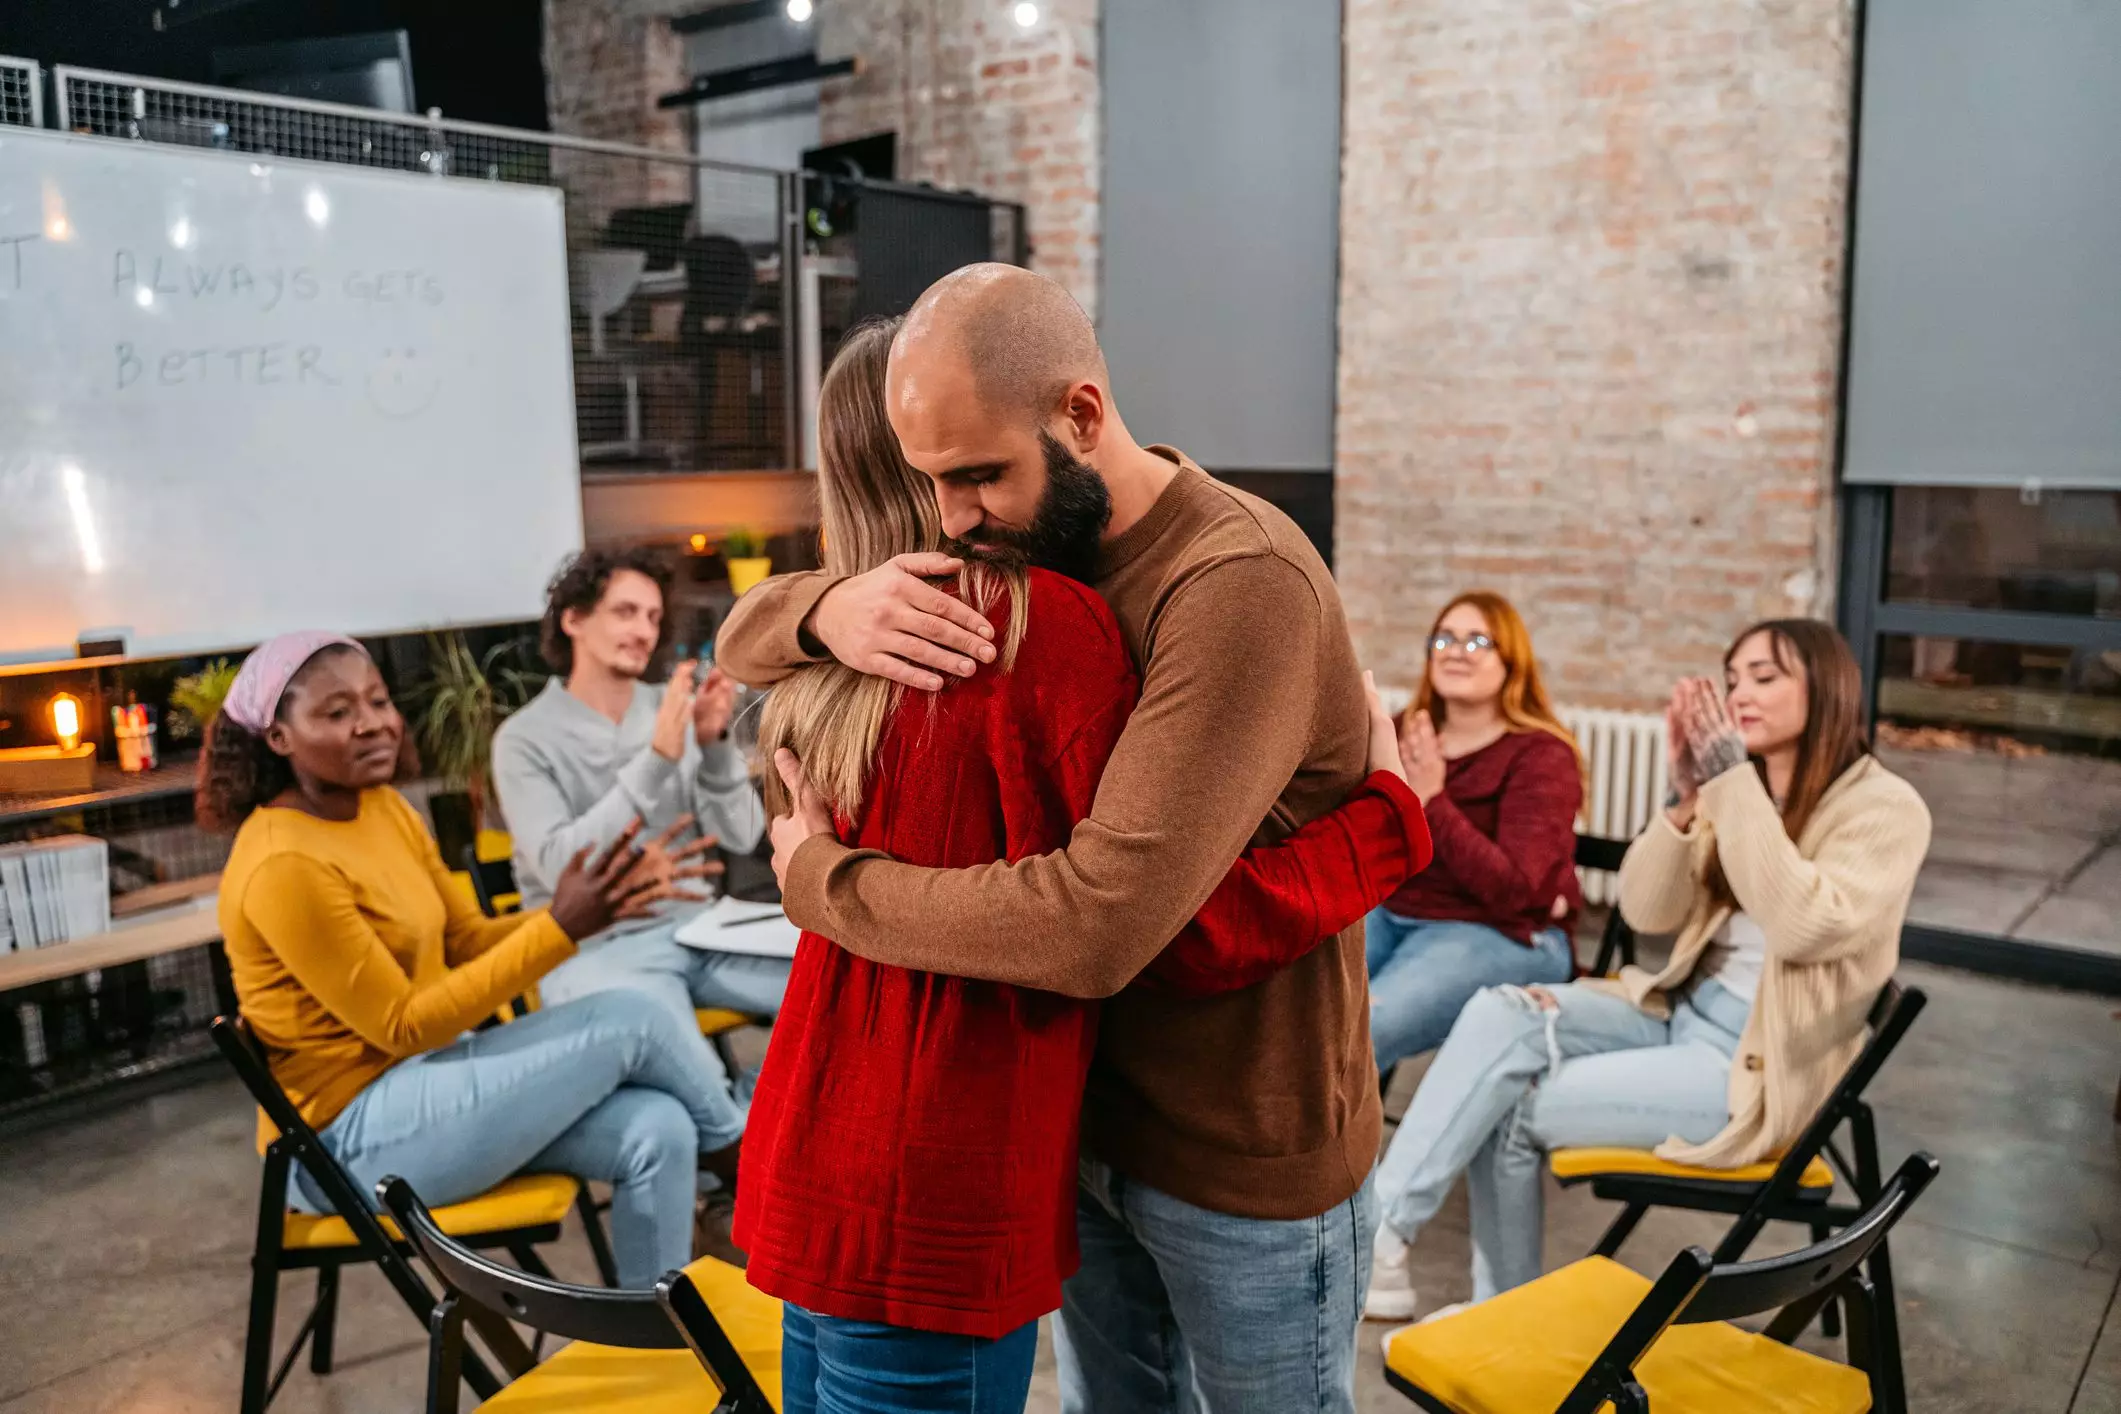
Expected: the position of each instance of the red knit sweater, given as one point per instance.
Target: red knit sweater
(911, 1151)
(1505, 833)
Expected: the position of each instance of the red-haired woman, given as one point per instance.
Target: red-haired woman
(1501, 780)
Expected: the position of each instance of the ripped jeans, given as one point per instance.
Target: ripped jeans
(1513, 1081)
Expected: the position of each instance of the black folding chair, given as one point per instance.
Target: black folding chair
(1797, 1188)
(1616, 945)
(626, 1342)
(515, 1216)
(1542, 1345)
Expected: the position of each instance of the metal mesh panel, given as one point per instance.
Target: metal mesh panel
(21, 93)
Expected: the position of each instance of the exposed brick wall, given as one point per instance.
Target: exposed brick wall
(1590, 308)
(606, 63)
(982, 105)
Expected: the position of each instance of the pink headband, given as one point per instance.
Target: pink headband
(254, 697)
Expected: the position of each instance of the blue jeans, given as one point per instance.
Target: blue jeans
(1422, 974)
(1514, 1081)
(609, 1087)
(653, 962)
(831, 1366)
(1179, 1308)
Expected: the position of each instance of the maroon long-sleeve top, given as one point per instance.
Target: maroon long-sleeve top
(1505, 835)
(911, 1151)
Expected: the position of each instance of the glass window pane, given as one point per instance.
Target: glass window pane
(2017, 750)
(1981, 547)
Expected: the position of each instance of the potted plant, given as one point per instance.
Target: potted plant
(744, 552)
(195, 699)
(456, 709)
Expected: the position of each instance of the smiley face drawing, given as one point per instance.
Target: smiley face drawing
(401, 385)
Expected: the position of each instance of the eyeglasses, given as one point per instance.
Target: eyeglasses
(1472, 646)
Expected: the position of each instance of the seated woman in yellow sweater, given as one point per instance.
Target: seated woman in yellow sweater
(1783, 862)
(361, 970)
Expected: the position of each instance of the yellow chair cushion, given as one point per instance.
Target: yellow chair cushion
(1525, 1349)
(527, 1200)
(749, 1317)
(715, 1020)
(1575, 1165)
(609, 1380)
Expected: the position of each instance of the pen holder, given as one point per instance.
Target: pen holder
(133, 729)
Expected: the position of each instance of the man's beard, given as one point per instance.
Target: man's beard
(1066, 529)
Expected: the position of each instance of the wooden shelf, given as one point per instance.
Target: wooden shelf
(165, 930)
(112, 787)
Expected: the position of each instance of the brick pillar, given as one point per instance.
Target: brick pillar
(982, 105)
(1590, 315)
(606, 63)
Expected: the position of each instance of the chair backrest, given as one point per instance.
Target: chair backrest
(674, 1316)
(632, 1319)
(703, 1333)
(1598, 852)
(1694, 1289)
(491, 879)
(239, 1046)
(1894, 1010)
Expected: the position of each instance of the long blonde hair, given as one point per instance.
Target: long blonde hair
(874, 507)
(1525, 706)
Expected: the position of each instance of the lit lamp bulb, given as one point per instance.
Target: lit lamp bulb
(66, 720)
(699, 544)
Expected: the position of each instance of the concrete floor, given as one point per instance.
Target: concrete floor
(124, 1237)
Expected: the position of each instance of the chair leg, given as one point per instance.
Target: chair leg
(327, 1316)
(527, 1258)
(1609, 1245)
(1885, 1324)
(1829, 1314)
(599, 1241)
(257, 1336)
(264, 1285)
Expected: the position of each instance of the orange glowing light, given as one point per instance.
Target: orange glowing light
(66, 720)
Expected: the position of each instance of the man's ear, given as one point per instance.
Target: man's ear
(1085, 409)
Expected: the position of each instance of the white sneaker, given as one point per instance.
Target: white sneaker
(1391, 1295)
(1436, 1315)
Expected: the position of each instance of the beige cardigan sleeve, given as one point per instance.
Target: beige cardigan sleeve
(1833, 904)
(1661, 875)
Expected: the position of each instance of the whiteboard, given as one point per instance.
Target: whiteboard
(240, 396)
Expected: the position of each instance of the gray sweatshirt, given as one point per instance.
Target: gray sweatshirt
(568, 777)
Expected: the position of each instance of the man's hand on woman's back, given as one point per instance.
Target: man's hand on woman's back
(893, 623)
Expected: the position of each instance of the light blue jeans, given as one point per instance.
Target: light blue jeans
(610, 1087)
(831, 1366)
(1177, 1308)
(654, 963)
(1513, 1081)
(1422, 974)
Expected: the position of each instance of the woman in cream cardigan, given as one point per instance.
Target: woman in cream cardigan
(1783, 863)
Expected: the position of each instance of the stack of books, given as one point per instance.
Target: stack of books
(52, 890)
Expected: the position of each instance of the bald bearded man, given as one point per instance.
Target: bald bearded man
(1225, 1214)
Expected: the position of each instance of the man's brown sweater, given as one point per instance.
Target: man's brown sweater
(1260, 1103)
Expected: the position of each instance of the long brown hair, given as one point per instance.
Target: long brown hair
(875, 507)
(1832, 740)
(1525, 705)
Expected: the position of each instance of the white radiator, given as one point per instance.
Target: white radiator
(1626, 759)
(1625, 754)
